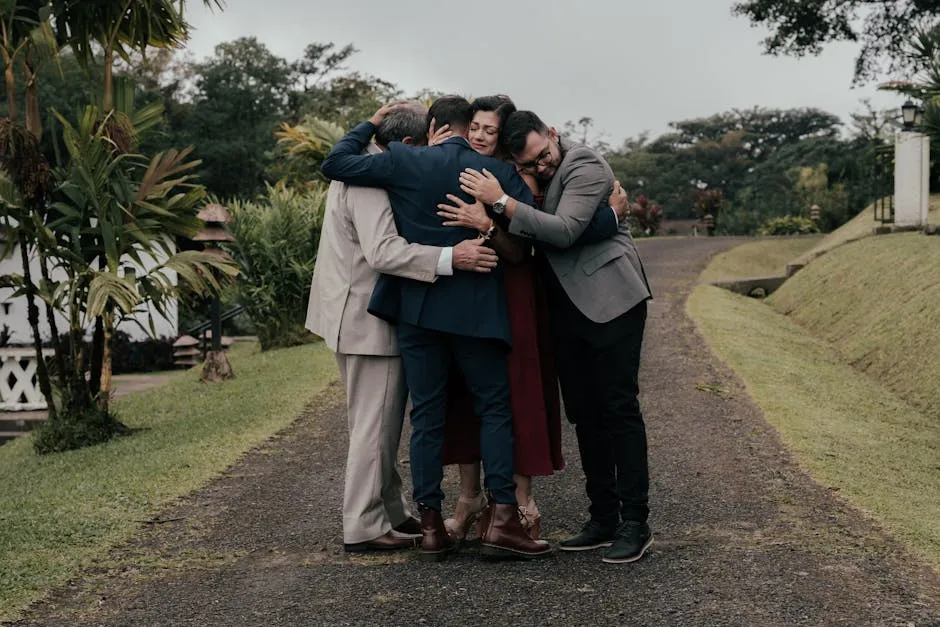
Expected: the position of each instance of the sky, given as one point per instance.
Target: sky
(631, 65)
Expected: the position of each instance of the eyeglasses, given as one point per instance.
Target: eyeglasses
(544, 158)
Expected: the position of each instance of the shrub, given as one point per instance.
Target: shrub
(645, 217)
(276, 242)
(150, 355)
(87, 424)
(128, 356)
(789, 225)
(708, 202)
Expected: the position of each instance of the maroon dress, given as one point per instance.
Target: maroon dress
(533, 385)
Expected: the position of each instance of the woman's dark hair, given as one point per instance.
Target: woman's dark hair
(500, 104)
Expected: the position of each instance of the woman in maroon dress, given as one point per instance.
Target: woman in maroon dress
(536, 409)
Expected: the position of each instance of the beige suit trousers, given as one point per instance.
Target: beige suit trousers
(376, 394)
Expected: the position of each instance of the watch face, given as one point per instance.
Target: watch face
(499, 207)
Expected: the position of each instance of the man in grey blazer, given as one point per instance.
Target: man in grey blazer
(597, 302)
(358, 240)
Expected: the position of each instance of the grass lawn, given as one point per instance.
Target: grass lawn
(59, 513)
(759, 258)
(848, 376)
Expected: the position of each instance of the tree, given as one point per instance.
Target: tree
(709, 202)
(241, 94)
(720, 151)
(802, 27)
(319, 62)
(111, 210)
(96, 216)
(582, 132)
(348, 99)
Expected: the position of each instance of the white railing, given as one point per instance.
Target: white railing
(19, 386)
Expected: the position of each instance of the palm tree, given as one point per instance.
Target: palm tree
(119, 209)
(119, 27)
(97, 217)
(925, 48)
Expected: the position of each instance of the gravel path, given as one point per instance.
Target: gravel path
(743, 537)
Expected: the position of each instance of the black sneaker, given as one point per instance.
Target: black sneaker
(633, 538)
(593, 535)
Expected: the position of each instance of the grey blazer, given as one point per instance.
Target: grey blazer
(604, 279)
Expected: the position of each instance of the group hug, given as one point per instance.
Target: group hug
(473, 259)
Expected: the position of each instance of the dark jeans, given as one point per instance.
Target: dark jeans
(427, 357)
(598, 366)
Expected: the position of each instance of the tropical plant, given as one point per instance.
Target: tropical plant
(645, 217)
(303, 147)
(27, 38)
(925, 87)
(275, 246)
(108, 238)
(119, 28)
(102, 222)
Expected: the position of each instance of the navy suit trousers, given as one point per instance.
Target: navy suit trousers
(427, 357)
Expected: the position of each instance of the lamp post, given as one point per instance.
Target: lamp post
(911, 169)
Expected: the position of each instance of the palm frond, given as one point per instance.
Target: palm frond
(314, 137)
(106, 290)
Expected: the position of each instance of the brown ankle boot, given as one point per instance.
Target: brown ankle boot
(435, 543)
(504, 536)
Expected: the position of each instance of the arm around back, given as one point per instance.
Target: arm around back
(346, 162)
(586, 183)
(384, 249)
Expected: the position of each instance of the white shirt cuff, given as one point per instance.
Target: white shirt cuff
(445, 264)
(616, 217)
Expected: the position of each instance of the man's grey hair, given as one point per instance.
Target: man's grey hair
(410, 121)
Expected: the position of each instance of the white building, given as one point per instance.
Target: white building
(13, 313)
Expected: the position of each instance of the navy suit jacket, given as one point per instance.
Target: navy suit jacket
(417, 180)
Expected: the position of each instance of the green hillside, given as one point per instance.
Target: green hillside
(877, 302)
(844, 361)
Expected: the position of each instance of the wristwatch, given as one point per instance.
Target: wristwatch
(500, 205)
(490, 232)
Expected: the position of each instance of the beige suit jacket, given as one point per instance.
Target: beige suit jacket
(605, 279)
(359, 240)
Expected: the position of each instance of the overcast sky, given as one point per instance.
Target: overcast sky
(631, 65)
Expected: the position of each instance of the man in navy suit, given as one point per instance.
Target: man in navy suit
(460, 319)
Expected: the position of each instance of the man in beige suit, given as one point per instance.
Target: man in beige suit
(359, 240)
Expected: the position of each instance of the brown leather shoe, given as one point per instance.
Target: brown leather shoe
(387, 542)
(436, 545)
(503, 536)
(411, 527)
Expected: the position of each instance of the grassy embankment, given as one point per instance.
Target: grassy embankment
(764, 257)
(844, 361)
